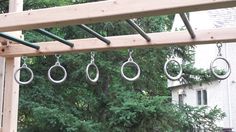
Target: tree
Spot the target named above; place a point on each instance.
(113, 104)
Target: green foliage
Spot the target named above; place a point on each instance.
(3, 6)
(201, 117)
(54, 120)
(141, 113)
(113, 104)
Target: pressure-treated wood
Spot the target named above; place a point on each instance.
(103, 11)
(127, 41)
(11, 96)
(11, 88)
(2, 78)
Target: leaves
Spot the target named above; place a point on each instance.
(113, 104)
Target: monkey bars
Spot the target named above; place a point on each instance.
(53, 36)
(110, 10)
(126, 41)
(188, 25)
(94, 12)
(87, 29)
(12, 38)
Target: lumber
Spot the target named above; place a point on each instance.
(161, 39)
(102, 11)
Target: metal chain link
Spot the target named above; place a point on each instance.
(58, 59)
(130, 55)
(219, 46)
(92, 57)
(24, 58)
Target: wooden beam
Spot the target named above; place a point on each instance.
(11, 88)
(101, 11)
(121, 42)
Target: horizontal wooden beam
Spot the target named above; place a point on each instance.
(126, 41)
(101, 11)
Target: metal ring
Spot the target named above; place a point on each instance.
(220, 77)
(97, 73)
(132, 63)
(57, 81)
(168, 75)
(26, 82)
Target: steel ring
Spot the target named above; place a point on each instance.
(57, 81)
(26, 82)
(97, 73)
(220, 77)
(168, 75)
(132, 63)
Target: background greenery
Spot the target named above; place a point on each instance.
(113, 104)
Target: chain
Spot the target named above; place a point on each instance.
(219, 46)
(58, 59)
(92, 57)
(183, 81)
(173, 54)
(24, 58)
(130, 54)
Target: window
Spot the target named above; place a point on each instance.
(181, 99)
(199, 97)
(181, 96)
(202, 97)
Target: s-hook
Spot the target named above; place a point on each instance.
(92, 63)
(130, 62)
(173, 60)
(219, 57)
(57, 64)
(24, 66)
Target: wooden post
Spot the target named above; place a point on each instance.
(11, 89)
(2, 71)
(11, 97)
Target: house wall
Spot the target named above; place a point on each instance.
(215, 97)
(223, 93)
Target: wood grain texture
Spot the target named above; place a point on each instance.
(101, 11)
(11, 88)
(123, 42)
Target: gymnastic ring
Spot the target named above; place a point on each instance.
(54, 66)
(220, 77)
(97, 73)
(131, 62)
(168, 75)
(24, 66)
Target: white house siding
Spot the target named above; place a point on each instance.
(232, 82)
(215, 97)
(221, 94)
